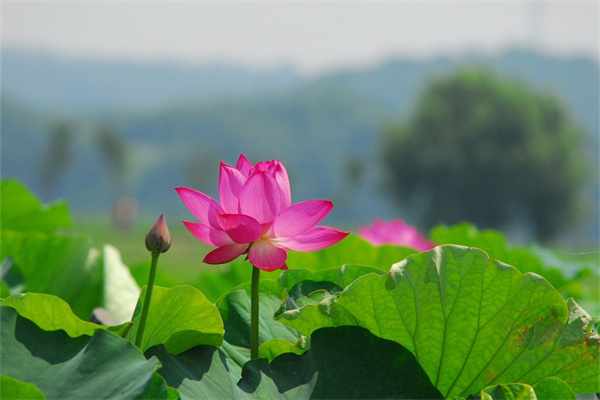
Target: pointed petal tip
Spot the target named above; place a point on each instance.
(300, 217)
(316, 238)
(244, 165)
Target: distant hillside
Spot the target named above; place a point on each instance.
(89, 85)
(177, 122)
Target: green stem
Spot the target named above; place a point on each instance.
(146, 307)
(254, 313)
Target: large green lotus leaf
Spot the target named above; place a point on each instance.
(469, 320)
(64, 266)
(22, 211)
(351, 250)
(235, 310)
(50, 313)
(237, 357)
(203, 372)
(16, 389)
(197, 373)
(294, 284)
(104, 366)
(349, 362)
(267, 389)
(120, 289)
(180, 318)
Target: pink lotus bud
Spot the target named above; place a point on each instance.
(158, 239)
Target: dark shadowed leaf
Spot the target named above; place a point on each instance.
(104, 366)
(348, 362)
(204, 373)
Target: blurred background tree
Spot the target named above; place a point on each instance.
(58, 155)
(487, 150)
(114, 152)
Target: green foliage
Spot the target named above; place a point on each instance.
(322, 372)
(235, 310)
(203, 373)
(16, 389)
(497, 247)
(335, 361)
(198, 373)
(578, 280)
(65, 266)
(22, 211)
(546, 389)
(469, 320)
(445, 323)
(275, 347)
(180, 318)
(50, 313)
(103, 367)
(351, 250)
(40, 259)
(300, 282)
(516, 391)
(553, 388)
(486, 150)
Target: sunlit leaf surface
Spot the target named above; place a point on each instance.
(180, 318)
(469, 320)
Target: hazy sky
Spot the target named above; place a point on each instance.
(313, 36)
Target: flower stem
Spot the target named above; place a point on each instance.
(254, 313)
(146, 307)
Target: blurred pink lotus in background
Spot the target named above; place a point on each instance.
(394, 232)
(256, 217)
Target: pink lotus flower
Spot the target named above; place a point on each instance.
(256, 217)
(394, 232)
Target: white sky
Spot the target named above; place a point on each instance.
(313, 36)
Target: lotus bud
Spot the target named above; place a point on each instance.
(158, 239)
